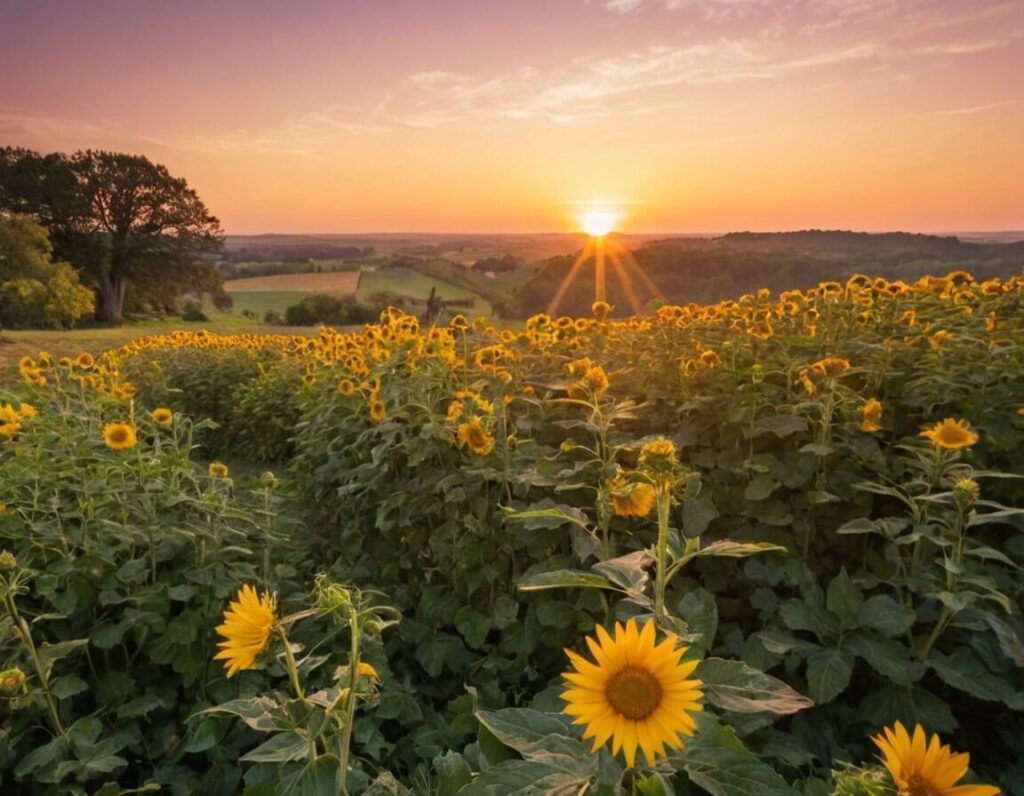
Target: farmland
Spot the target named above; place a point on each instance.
(812, 493)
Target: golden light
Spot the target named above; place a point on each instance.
(598, 223)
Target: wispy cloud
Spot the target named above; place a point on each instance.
(966, 111)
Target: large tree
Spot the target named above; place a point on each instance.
(121, 218)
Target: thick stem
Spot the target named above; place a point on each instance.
(293, 670)
(25, 636)
(661, 570)
(350, 704)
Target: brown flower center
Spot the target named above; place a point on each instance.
(633, 692)
(118, 435)
(919, 786)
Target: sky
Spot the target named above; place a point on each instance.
(518, 115)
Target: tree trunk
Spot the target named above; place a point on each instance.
(111, 292)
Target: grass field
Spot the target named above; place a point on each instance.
(411, 284)
(340, 283)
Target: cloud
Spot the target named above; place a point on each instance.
(965, 111)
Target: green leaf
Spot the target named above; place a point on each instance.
(527, 778)
(828, 675)
(698, 514)
(760, 487)
(700, 610)
(261, 713)
(566, 579)
(49, 653)
(884, 614)
(780, 425)
(281, 748)
(535, 735)
(68, 686)
(555, 613)
(453, 772)
(45, 756)
(963, 671)
(735, 686)
(844, 600)
(799, 615)
(887, 657)
(725, 548)
(717, 761)
(473, 626)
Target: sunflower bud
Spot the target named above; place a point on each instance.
(268, 479)
(8, 563)
(966, 492)
(12, 680)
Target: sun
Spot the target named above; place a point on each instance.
(598, 223)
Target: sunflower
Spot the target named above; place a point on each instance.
(951, 434)
(830, 367)
(162, 416)
(248, 623)
(119, 436)
(870, 413)
(85, 360)
(638, 694)
(474, 436)
(377, 412)
(600, 309)
(925, 768)
(218, 470)
(346, 388)
(632, 500)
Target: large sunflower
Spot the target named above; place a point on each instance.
(119, 436)
(925, 768)
(474, 436)
(951, 434)
(638, 694)
(248, 623)
(632, 500)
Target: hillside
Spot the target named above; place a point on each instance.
(713, 269)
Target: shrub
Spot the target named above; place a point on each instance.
(192, 310)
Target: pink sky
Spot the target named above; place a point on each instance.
(492, 115)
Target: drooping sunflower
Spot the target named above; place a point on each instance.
(119, 436)
(474, 436)
(162, 416)
(638, 694)
(218, 470)
(377, 412)
(870, 415)
(632, 500)
(951, 434)
(920, 767)
(830, 367)
(247, 626)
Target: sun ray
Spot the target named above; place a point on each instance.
(599, 286)
(570, 277)
(632, 264)
(626, 282)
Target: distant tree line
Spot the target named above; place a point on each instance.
(137, 235)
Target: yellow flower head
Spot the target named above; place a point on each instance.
(162, 416)
(870, 415)
(85, 360)
(119, 436)
(920, 767)
(951, 434)
(377, 412)
(637, 694)
(474, 436)
(658, 456)
(218, 470)
(596, 380)
(631, 499)
(600, 309)
(937, 339)
(830, 367)
(346, 388)
(248, 623)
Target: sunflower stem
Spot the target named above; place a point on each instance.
(661, 570)
(350, 704)
(293, 669)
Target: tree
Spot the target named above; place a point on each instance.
(34, 290)
(121, 218)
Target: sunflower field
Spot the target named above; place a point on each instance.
(767, 547)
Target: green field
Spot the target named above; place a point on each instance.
(412, 284)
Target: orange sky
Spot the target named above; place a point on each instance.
(489, 115)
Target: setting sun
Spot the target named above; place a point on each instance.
(598, 223)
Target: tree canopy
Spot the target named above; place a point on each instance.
(133, 228)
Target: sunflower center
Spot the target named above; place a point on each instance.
(118, 435)
(920, 786)
(634, 692)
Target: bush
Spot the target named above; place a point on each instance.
(329, 310)
(192, 310)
